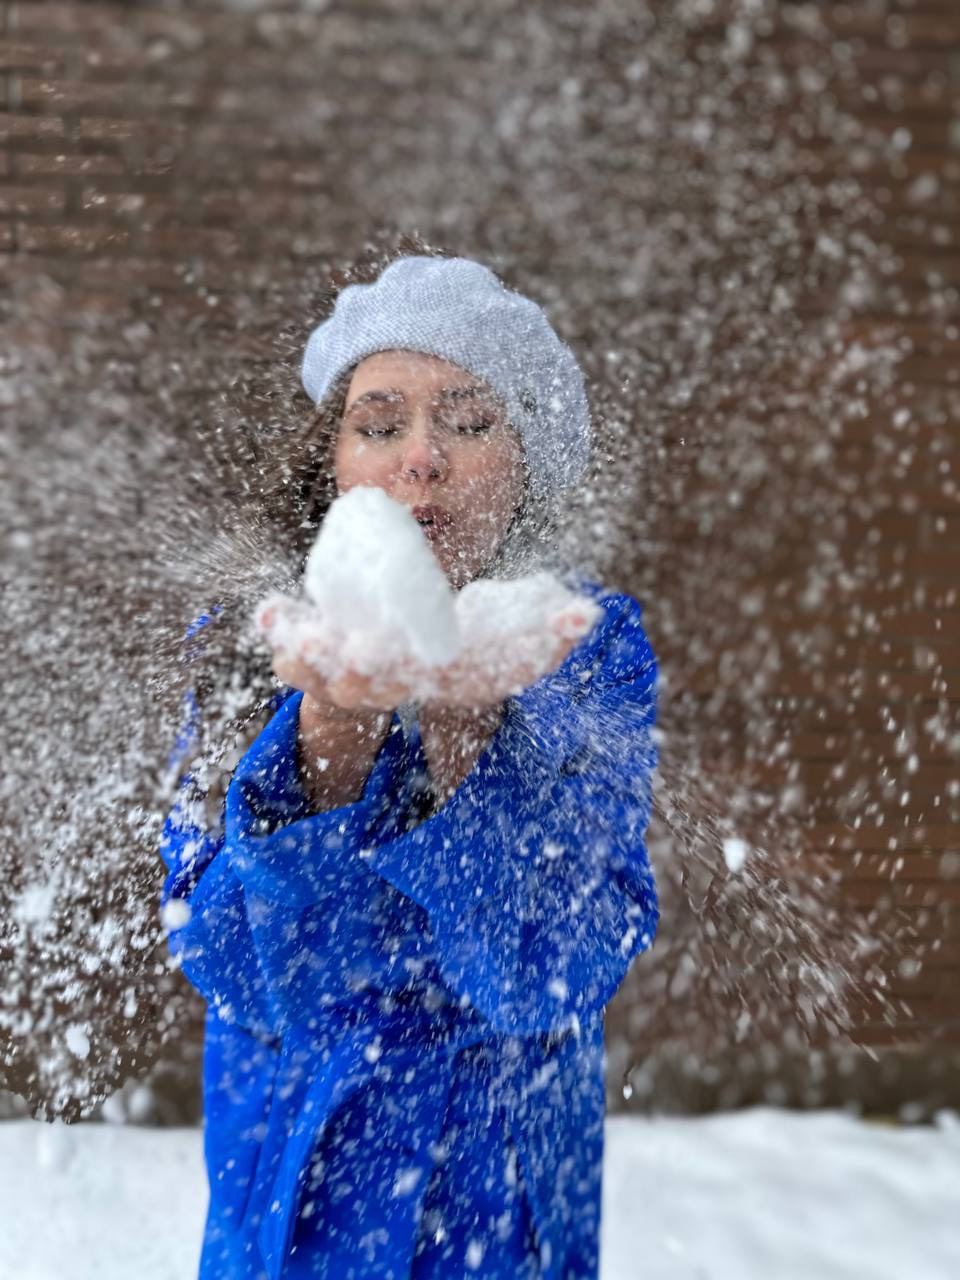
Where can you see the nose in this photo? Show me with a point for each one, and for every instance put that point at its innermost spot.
(423, 457)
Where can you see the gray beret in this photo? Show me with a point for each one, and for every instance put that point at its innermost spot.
(459, 310)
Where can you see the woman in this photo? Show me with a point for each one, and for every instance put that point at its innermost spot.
(409, 919)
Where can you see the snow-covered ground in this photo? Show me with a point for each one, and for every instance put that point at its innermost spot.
(760, 1194)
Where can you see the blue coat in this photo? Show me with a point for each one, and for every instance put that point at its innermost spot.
(403, 1071)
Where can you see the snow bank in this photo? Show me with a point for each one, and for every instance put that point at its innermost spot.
(760, 1194)
(764, 1194)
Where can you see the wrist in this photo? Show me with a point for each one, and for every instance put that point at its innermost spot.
(336, 749)
(330, 718)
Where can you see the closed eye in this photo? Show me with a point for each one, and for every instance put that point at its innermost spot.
(376, 431)
(475, 428)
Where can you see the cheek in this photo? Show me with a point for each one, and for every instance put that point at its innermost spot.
(356, 462)
(490, 486)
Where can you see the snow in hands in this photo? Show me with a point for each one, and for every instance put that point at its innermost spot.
(376, 604)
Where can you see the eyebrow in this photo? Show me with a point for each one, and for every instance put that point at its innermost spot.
(392, 394)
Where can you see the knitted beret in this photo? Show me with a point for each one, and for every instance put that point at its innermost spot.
(459, 310)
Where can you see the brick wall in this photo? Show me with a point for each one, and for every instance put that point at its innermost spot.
(166, 168)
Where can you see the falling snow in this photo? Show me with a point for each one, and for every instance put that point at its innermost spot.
(726, 333)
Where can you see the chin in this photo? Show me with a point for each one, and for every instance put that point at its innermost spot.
(459, 567)
(458, 574)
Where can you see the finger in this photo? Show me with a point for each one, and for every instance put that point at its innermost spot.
(276, 614)
(317, 652)
(279, 610)
(576, 619)
(298, 675)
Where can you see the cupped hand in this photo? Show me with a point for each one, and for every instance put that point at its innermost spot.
(305, 656)
(484, 676)
(304, 659)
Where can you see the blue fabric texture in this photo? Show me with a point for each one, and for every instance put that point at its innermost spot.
(403, 1071)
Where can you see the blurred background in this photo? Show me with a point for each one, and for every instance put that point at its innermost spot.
(742, 215)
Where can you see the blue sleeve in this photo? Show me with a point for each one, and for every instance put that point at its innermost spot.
(201, 901)
(538, 919)
(534, 876)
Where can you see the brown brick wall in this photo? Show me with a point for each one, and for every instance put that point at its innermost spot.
(165, 166)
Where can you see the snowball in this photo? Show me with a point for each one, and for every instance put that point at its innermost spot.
(373, 576)
(35, 903)
(175, 913)
(77, 1041)
(924, 187)
(734, 852)
(475, 1252)
(406, 1182)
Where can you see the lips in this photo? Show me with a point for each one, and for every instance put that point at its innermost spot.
(432, 520)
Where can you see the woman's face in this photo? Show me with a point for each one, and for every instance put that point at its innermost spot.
(435, 438)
